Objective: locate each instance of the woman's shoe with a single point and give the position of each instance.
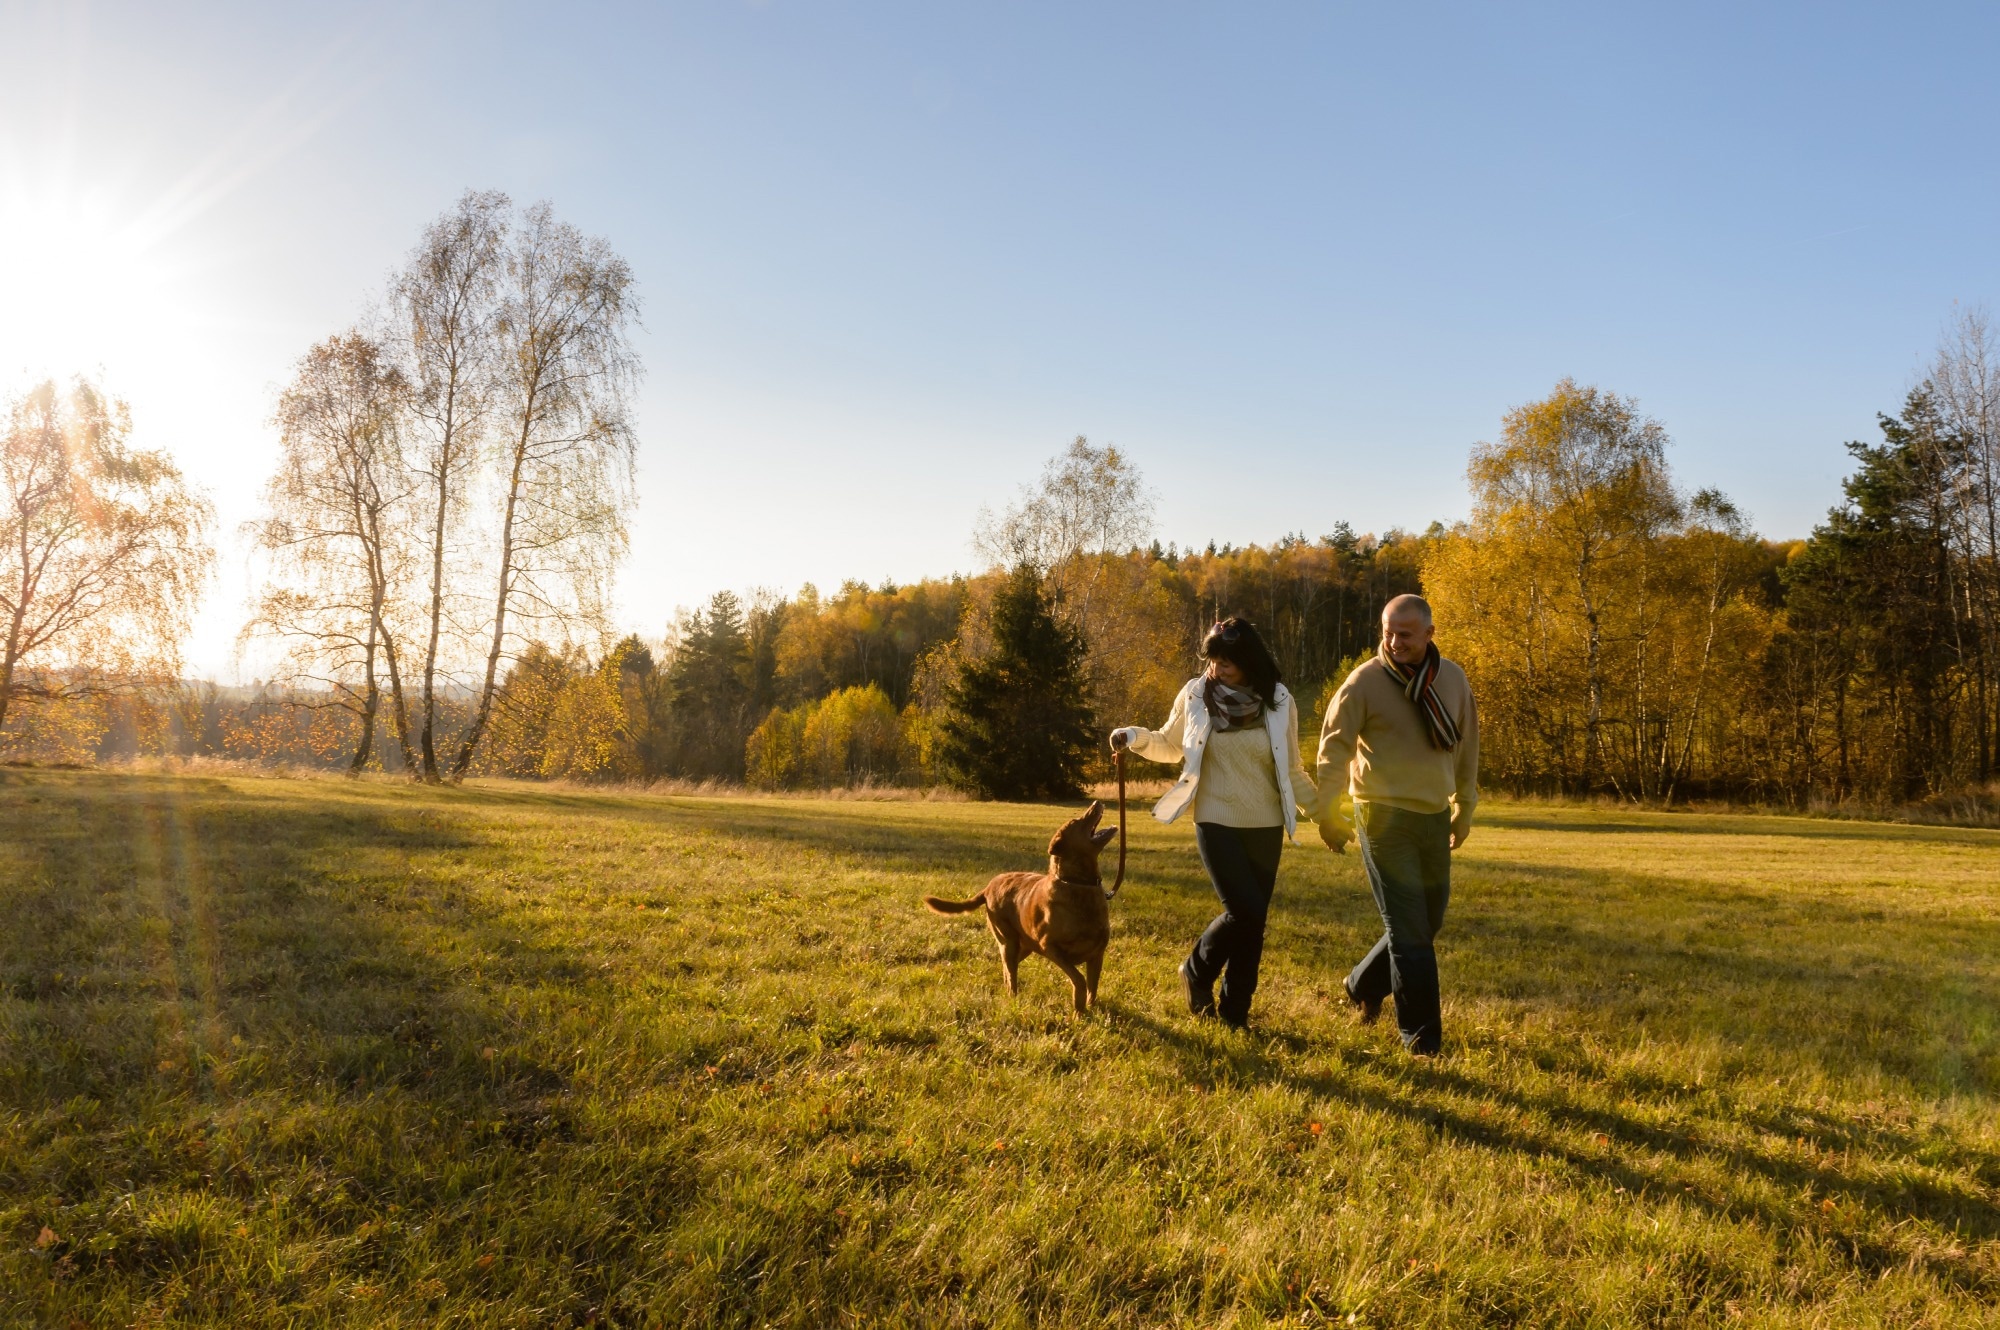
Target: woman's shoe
(1200, 996)
(1364, 1012)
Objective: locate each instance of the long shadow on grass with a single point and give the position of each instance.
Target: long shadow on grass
(928, 840)
(1437, 1098)
(199, 943)
(1857, 986)
(1700, 824)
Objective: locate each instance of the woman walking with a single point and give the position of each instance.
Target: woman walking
(1235, 732)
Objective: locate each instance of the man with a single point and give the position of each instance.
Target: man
(1402, 736)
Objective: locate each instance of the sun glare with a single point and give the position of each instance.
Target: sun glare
(99, 287)
(80, 287)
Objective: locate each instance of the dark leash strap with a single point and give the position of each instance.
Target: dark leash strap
(1118, 760)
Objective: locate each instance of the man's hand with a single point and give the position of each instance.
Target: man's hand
(1334, 833)
(1460, 829)
(1121, 739)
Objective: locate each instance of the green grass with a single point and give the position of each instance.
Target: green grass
(316, 1053)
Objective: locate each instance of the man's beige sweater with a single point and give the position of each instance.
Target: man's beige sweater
(1375, 745)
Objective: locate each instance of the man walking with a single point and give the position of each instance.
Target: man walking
(1402, 736)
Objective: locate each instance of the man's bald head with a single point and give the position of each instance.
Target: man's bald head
(1407, 603)
(1406, 628)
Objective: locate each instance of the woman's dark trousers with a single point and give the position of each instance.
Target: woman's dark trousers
(1408, 857)
(1242, 862)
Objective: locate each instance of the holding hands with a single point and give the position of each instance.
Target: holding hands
(1335, 832)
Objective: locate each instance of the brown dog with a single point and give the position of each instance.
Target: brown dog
(1060, 914)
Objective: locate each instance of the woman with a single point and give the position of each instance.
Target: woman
(1236, 734)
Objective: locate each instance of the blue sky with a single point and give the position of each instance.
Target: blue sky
(1295, 260)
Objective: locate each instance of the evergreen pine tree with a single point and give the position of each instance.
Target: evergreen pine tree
(711, 691)
(1016, 723)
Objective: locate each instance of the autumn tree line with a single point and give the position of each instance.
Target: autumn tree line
(448, 505)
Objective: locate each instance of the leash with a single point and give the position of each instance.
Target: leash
(1118, 759)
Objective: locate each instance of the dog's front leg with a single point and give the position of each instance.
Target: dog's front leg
(1091, 969)
(1079, 990)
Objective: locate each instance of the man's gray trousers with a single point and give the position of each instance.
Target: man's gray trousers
(1408, 858)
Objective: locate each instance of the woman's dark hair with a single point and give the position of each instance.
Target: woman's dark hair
(1237, 641)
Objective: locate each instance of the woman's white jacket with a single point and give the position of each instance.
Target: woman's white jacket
(1185, 735)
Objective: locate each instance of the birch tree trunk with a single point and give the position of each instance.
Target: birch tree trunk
(446, 307)
(564, 370)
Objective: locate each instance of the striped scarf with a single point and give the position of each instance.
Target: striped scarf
(1416, 684)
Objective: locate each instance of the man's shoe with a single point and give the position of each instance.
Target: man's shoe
(1200, 996)
(1365, 1012)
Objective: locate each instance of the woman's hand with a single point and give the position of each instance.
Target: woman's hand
(1121, 739)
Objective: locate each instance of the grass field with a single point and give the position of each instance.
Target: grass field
(318, 1053)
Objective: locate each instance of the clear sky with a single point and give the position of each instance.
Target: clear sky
(1294, 259)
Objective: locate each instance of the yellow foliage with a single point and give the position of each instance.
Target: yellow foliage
(59, 730)
(586, 730)
(1608, 627)
(848, 736)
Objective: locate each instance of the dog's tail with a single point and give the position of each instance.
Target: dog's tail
(936, 906)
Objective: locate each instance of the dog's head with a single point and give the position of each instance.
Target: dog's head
(1073, 850)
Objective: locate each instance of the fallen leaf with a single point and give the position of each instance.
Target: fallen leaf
(1315, 1129)
(485, 1262)
(47, 1237)
(489, 1053)
(1602, 1139)
(1828, 1205)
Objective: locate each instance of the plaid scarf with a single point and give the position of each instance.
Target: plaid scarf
(1416, 682)
(1231, 708)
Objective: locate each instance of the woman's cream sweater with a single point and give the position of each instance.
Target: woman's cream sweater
(1231, 777)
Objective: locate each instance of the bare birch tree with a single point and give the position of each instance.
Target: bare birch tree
(562, 373)
(104, 549)
(337, 529)
(1089, 500)
(1073, 525)
(446, 308)
(1966, 379)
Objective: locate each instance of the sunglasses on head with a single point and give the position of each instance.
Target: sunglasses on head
(1225, 632)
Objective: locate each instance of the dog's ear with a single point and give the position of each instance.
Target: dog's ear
(1103, 838)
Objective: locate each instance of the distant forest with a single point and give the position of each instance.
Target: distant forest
(854, 677)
